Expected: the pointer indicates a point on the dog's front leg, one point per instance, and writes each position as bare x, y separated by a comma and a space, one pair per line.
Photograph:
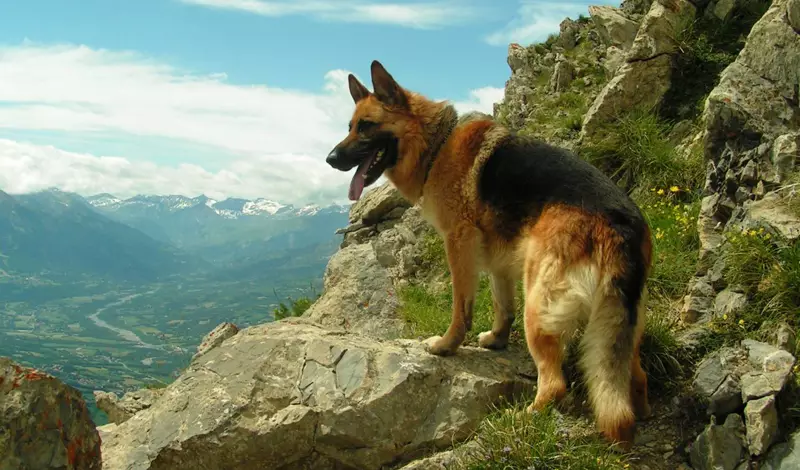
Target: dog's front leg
460, 245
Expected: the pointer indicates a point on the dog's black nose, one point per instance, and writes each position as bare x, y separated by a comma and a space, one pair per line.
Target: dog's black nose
333, 158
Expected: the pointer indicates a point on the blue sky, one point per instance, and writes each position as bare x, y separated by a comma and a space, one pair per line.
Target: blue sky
229, 97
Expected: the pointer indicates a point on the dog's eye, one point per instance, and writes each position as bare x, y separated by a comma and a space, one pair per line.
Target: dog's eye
364, 126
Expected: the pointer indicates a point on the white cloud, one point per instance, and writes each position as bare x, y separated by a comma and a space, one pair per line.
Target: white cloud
537, 19
277, 138
482, 99
412, 15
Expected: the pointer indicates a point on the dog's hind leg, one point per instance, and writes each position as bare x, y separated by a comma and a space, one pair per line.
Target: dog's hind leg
502, 284
552, 312
607, 359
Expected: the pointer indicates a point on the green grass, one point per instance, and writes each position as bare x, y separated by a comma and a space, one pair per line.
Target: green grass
671, 212
767, 270
512, 438
635, 150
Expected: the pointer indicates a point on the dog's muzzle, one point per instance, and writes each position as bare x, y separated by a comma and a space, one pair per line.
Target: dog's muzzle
338, 160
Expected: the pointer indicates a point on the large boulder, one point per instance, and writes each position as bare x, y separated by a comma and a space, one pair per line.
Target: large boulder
784, 456
291, 394
381, 251
656, 35
646, 76
614, 27
44, 423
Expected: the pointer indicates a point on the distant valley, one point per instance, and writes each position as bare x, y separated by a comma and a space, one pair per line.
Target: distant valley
110, 293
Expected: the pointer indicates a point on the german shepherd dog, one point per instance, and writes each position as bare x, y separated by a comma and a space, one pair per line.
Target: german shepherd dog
517, 208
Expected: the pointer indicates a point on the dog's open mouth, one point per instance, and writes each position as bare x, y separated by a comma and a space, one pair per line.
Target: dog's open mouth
369, 170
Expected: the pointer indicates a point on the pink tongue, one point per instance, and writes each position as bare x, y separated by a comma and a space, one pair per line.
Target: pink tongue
357, 184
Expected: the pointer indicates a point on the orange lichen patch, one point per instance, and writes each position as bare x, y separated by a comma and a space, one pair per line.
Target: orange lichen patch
35, 375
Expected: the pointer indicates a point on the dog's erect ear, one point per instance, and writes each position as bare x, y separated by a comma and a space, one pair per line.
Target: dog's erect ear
386, 88
357, 90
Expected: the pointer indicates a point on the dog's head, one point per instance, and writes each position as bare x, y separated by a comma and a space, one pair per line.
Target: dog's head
376, 128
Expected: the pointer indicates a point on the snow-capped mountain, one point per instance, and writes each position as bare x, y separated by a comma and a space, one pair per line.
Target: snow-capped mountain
231, 208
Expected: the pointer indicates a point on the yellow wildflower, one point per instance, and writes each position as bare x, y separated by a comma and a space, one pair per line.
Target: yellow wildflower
767, 236
741, 322
752, 233
660, 192
725, 316
659, 235
674, 189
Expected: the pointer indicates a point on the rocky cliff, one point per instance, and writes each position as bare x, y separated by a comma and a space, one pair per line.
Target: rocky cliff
691, 105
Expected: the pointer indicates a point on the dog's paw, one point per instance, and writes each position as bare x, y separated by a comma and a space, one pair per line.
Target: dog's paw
436, 345
488, 340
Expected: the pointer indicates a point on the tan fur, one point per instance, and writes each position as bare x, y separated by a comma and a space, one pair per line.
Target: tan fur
564, 287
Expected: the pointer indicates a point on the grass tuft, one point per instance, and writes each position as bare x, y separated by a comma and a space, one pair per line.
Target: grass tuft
636, 151
514, 438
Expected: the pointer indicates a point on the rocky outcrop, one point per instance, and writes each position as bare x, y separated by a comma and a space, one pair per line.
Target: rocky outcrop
719, 447
614, 27
784, 456
380, 252
292, 394
644, 77
44, 423
747, 379
751, 121
120, 410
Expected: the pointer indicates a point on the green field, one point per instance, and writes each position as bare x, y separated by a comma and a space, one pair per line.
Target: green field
142, 335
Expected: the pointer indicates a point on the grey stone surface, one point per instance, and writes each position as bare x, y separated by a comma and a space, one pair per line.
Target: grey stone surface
290, 394
119, 410
785, 455
761, 418
719, 447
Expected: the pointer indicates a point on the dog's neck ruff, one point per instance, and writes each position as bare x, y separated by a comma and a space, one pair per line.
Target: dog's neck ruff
447, 120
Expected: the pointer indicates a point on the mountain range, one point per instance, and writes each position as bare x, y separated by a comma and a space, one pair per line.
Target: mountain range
149, 237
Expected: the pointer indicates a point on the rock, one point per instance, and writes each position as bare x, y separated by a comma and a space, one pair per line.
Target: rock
722, 9
120, 410
358, 295
444, 460
615, 57
213, 339
635, 8
772, 369
517, 57
750, 173
719, 447
563, 73
729, 303
761, 418
373, 206
291, 394
568, 36
793, 14
785, 338
45, 423
716, 380
636, 84
614, 27
785, 154
755, 93
772, 211
695, 308
784, 456
656, 33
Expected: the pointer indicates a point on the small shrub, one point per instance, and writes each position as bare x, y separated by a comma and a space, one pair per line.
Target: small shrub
661, 355
294, 308
513, 438
551, 39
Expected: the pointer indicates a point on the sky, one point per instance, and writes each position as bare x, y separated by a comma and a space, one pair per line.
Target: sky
230, 98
